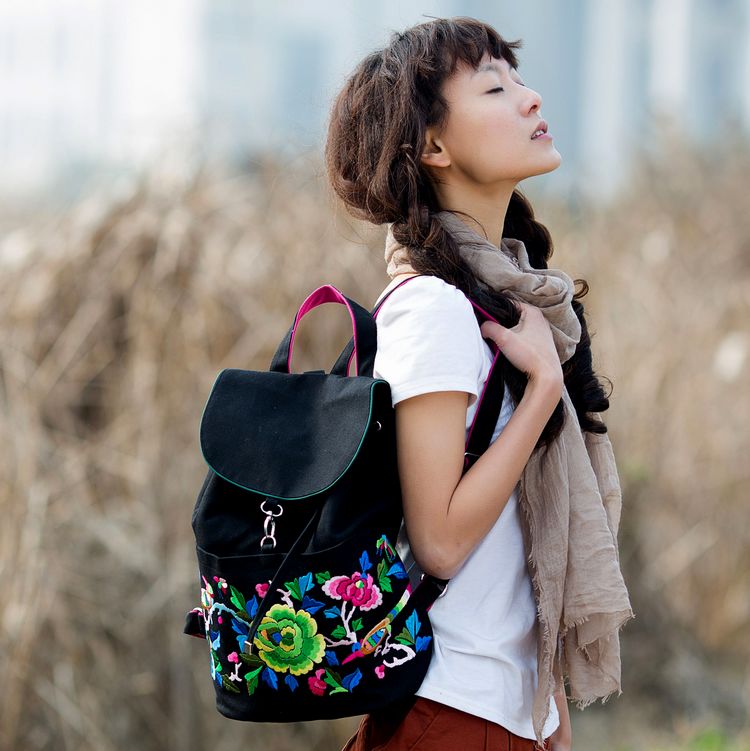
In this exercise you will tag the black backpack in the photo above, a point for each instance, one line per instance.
(307, 606)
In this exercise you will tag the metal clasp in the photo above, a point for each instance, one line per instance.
(269, 525)
(445, 588)
(469, 461)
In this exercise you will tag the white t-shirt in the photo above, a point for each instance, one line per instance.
(485, 624)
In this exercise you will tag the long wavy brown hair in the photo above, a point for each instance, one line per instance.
(375, 135)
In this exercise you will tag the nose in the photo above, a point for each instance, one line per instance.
(534, 101)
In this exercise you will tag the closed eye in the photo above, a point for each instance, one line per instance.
(498, 88)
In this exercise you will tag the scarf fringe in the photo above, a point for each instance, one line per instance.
(583, 702)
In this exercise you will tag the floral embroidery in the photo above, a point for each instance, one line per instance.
(355, 589)
(288, 640)
(291, 642)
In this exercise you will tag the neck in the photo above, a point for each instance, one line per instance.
(486, 209)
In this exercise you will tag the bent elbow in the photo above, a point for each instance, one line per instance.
(437, 564)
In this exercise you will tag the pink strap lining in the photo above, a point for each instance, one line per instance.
(324, 294)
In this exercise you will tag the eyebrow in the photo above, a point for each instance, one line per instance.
(488, 66)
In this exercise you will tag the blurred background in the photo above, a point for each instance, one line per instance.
(165, 212)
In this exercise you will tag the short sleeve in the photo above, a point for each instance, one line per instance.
(428, 340)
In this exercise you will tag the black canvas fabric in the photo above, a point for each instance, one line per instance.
(305, 604)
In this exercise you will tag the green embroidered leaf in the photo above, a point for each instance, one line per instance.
(333, 679)
(323, 577)
(250, 659)
(251, 680)
(357, 625)
(237, 598)
(381, 569)
(340, 690)
(385, 584)
(293, 587)
(405, 637)
(229, 685)
(252, 684)
(339, 632)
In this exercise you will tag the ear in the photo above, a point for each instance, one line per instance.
(435, 153)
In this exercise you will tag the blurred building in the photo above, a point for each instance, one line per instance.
(95, 85)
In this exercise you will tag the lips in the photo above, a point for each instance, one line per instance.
(541, 125)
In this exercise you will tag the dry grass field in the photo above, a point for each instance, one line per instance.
(117, 315)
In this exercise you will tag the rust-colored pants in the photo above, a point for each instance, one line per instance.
(427, 725)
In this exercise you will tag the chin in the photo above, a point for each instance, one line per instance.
(550, 165)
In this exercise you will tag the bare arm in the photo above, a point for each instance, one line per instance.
(562, 738)
(447, 514)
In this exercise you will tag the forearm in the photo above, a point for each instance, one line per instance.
(563, 735)
(483, 491)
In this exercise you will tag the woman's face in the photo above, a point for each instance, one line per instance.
(492, 115)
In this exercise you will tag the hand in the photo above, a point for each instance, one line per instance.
(561, 739)
(528, 345)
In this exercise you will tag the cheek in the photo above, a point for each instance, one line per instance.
(484, 137)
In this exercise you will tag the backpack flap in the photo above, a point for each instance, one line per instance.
(289, 435)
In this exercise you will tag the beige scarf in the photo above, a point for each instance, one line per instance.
(570, 495)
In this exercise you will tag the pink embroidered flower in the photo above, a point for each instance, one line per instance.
(380, 671)
(360, 591)
(261, 589)
(207, 594)
(316, 682)
(233, 657)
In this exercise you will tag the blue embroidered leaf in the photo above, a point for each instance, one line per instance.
(331, 658)
(397, 570)
(310, 605)
(241, 641)
(355, 646)
(351, 680)
(240, 626)
(423, 642)
(323, 577)
(305, 582)
(364, 562)
(413, 624)
(292, 682)
(333, 612)
(238, 599)
(219, 679)
(253, 607)
(270, 678)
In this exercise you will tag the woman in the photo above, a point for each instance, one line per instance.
(430, 135)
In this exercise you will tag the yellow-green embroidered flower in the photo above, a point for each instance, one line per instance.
(288, 640)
